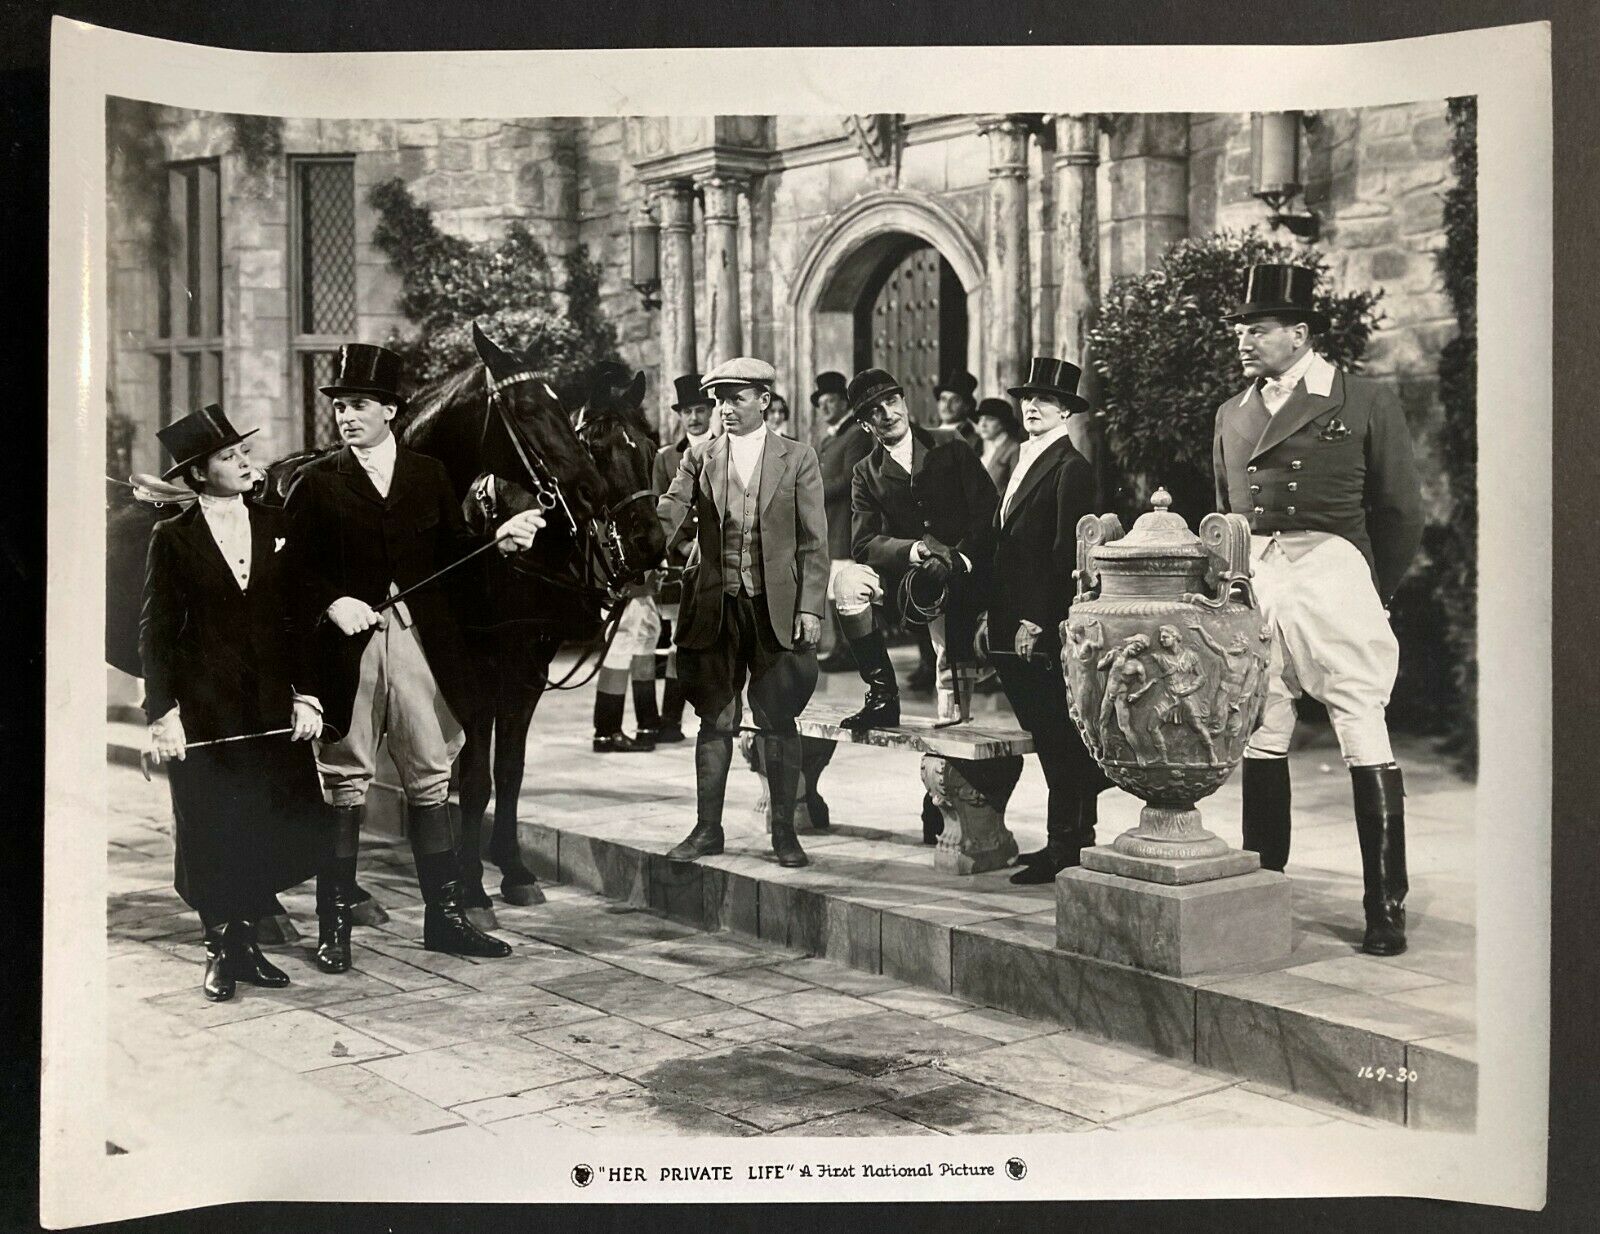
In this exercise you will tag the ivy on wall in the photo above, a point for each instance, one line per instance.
(507, 286)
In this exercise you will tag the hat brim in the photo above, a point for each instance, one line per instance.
(1318, 321)
(371, 391)
(1068, 399)
(708, 401)
(177, 469)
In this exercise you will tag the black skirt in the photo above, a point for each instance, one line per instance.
(250, 822)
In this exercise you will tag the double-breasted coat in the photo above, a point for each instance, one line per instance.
(249, 817)
(344, 539)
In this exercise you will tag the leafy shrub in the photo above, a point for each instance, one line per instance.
(506, 286)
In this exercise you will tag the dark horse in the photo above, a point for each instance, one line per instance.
(506, 441)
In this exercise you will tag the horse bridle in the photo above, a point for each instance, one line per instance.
(607, 547)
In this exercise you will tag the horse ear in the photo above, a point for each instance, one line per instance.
(498, 362)
(635, 391)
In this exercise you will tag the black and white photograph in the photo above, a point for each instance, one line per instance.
(640, 625)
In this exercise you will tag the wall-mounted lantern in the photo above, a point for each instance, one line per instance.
(644, 256)
(1275, 170)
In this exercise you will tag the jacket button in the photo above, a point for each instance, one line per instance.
(1255, 488)
(1288, 510)
(1296, 465)
(1294, 486)
(1259, 510)
(1252, 468)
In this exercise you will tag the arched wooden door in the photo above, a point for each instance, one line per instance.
(912, 322)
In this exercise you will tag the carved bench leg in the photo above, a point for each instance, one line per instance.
(972, 796)
(750, 751)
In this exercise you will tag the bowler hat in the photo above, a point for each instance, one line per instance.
(828, 383)
(367, 369)
(740, 371)
(197, 437)
(1281, 291)
(687, 388)
(959, 382)
(1002, 411)
(867, 388)
(1058, 378)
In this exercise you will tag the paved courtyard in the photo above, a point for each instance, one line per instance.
(606, 1020)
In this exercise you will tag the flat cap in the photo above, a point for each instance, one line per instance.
(741, 371)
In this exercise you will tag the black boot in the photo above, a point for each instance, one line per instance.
(815, 755)
(712, 757)
(444, 921)
(364, 910)
(932, 820)
(671, 729)
(646, 719)
(217, 985)
(1381, 828)
(882, 708)
(782, 757)
(1265, 785)
(334, 919)
(1065, 843)
(608, 735)
(242, 957)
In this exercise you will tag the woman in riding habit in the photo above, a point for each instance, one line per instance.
(249, 820)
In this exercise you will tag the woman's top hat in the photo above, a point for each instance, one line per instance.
(369, 370)
(198, 436)
(1002, 411)
(1058, 378)
(689, 393)
(959, 382)
(829, 383)
(867, 388)
(1281, 291)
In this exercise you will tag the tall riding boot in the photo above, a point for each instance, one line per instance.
(782, 757)
(334, 916)
(364, 910)
(241, 956)
(671, 729)
(1265, 785)
(217, 985)
(646, 719)
(815, 754)
(1381, 827)
(608, 735)
(444, 922)
(713, 755)
(882, 707)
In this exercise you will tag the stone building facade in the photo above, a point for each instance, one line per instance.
(241, 248)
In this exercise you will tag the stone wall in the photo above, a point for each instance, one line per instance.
(1377, 178)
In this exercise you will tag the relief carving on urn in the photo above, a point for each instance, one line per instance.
(1165, 654)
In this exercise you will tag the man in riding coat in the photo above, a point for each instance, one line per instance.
(694, 407)
(754, 609)
(843, 444)
(363, 524)
(1320, 463)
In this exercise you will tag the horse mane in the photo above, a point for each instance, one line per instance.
(429, 402)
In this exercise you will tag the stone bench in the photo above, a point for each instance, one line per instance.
(968, 769)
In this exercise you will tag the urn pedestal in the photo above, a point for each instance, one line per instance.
(1165, 654)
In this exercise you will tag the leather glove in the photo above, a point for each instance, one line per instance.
(167, 738)
(352, 616)
(307, 722)
(1025, 638)
(517, 532)
(980, 639)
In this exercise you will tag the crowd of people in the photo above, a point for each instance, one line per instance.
(784, 559)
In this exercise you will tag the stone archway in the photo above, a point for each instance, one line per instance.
(843, 259)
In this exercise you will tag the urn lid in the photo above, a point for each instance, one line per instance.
(1158, 534)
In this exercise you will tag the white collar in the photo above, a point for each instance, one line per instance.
(1313, 369)
(750, 441)
(380, 456)
(1032, 445)
(221, 507)
(695, 441)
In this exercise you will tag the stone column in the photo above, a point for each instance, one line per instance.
(1009, 332)
(674, 203)
(722, 265)
(1077, 232)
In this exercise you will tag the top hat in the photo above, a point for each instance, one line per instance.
(197, 437)
(367, 369)
(1054, 377)
(689, 393)
(1281, 291)
(829, 383)
(959, 382)
(1002, 411)
(867, 388)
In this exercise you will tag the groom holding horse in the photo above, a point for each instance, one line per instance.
(363, 525)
